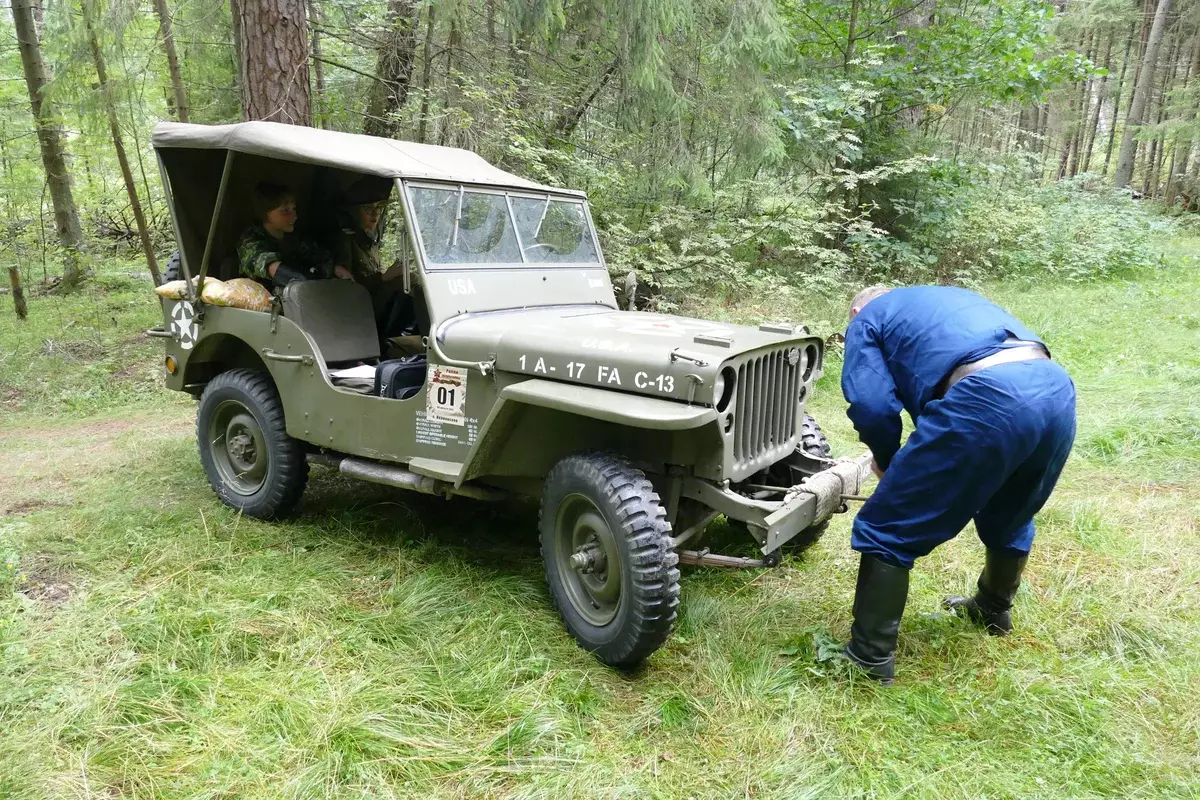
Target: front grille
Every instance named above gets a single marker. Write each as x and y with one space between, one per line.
764 417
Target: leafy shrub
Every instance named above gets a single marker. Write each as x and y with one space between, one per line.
947 223
1064 231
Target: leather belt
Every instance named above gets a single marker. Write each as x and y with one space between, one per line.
1027 352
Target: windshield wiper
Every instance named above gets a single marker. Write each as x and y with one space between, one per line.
457 217
538 230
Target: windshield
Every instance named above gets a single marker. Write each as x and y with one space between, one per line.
462 226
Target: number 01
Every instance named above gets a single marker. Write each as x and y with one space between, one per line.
445 396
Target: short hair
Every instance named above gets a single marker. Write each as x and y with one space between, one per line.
269 195
867 295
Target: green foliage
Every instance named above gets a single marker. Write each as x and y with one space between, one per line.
957 224
984 229
759 145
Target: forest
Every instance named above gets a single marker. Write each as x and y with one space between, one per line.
727 146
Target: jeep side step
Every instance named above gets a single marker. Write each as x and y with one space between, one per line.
396 475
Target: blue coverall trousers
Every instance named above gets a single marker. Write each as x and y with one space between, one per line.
990 450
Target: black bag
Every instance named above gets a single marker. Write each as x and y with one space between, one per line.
400 378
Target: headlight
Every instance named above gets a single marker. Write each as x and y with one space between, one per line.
723 388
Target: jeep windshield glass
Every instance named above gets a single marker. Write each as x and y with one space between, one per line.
463 226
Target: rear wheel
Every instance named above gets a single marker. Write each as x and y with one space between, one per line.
610 564
251 462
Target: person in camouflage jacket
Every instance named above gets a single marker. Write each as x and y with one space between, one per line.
272 253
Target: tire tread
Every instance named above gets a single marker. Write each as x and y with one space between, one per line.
643 524
289 465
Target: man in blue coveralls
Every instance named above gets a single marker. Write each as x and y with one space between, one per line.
995 421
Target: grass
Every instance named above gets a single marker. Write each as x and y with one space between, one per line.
154 644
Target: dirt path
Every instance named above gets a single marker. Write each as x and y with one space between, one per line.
41 465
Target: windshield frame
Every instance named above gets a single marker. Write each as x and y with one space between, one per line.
508 194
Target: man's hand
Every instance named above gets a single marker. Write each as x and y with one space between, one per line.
341 272
875 468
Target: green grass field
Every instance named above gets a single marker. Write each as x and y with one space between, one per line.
154 644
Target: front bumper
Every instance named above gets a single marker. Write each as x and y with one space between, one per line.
806 505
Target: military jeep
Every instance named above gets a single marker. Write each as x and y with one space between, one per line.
635 430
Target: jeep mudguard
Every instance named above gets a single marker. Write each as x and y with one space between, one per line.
588 402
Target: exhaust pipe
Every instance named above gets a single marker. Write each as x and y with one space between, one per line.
401 478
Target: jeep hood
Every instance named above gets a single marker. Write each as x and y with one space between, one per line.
654 354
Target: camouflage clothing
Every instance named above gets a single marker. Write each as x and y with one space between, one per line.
358 251
258 249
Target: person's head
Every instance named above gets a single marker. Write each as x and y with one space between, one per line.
865 296
275 205
364 200
367 216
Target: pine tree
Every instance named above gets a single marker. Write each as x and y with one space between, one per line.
50 139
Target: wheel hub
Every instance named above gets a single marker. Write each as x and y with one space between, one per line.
589 560
238 448
241 448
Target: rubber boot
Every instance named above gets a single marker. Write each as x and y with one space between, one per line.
878 605
991 605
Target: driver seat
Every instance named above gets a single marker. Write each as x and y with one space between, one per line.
337 314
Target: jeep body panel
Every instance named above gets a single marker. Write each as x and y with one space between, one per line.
512 425
315 410
633 352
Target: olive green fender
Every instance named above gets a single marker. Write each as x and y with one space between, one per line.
585 402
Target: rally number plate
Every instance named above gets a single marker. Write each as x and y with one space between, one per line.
446 399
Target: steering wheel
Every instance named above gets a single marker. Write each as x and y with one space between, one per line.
546 245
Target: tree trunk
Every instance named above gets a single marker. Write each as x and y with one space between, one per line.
1064 155
165 30
50 140
274 61
110 107
18 293
1101 96
850 39
394 67
1084 105
915 16
1043 140
1183 147
1141 92
322 119
452 93
235 25
518 59
1158 146
1116 110
426 74
10 203
569 118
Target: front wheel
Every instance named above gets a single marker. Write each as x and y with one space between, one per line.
251 462
610 562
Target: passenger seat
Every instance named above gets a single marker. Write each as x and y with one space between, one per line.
337 314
